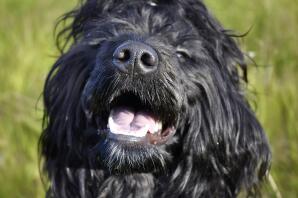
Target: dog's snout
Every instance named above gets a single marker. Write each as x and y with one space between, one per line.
136 57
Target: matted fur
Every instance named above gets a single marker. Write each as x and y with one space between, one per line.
219 147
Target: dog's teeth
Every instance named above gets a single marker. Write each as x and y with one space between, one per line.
158 127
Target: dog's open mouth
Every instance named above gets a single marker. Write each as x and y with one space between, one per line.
131 119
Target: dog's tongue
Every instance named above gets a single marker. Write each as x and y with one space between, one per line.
126 121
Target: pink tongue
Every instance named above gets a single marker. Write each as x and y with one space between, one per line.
127 119
122 116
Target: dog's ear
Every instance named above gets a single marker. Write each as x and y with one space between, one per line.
225 137
60 144
62 100
219 39
227 142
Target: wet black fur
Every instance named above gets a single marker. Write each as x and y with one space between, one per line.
219 148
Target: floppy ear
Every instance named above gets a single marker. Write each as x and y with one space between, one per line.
224 137
219 39
61 140
62 94
66 80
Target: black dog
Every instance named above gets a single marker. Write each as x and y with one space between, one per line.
148 101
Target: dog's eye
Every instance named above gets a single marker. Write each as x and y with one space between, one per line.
152 3
182 54
95 42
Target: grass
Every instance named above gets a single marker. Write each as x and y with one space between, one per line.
273 39
26 54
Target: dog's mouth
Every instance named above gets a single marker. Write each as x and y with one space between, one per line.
131 119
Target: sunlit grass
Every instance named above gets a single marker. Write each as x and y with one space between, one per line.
26 53
26 50
273 39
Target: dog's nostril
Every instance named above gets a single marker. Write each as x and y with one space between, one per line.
148 59
135 57
123 55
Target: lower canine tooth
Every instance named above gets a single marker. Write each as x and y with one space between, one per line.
160 126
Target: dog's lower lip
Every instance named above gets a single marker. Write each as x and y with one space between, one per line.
150 138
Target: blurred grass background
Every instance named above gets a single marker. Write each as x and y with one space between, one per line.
26 54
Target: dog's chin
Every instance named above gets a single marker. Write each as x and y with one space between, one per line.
128 156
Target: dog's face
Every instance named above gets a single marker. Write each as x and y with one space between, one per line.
137 89
148 86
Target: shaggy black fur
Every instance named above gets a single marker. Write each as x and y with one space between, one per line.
218 148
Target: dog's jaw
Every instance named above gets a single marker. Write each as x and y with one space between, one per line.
134 131
125 124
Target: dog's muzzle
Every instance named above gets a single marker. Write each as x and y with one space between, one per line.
135 108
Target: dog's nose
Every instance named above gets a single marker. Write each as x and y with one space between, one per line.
136 57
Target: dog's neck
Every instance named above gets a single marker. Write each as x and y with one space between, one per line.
86 182
134 185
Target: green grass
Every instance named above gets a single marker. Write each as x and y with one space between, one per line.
26 54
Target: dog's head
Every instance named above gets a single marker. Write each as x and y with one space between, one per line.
147 86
